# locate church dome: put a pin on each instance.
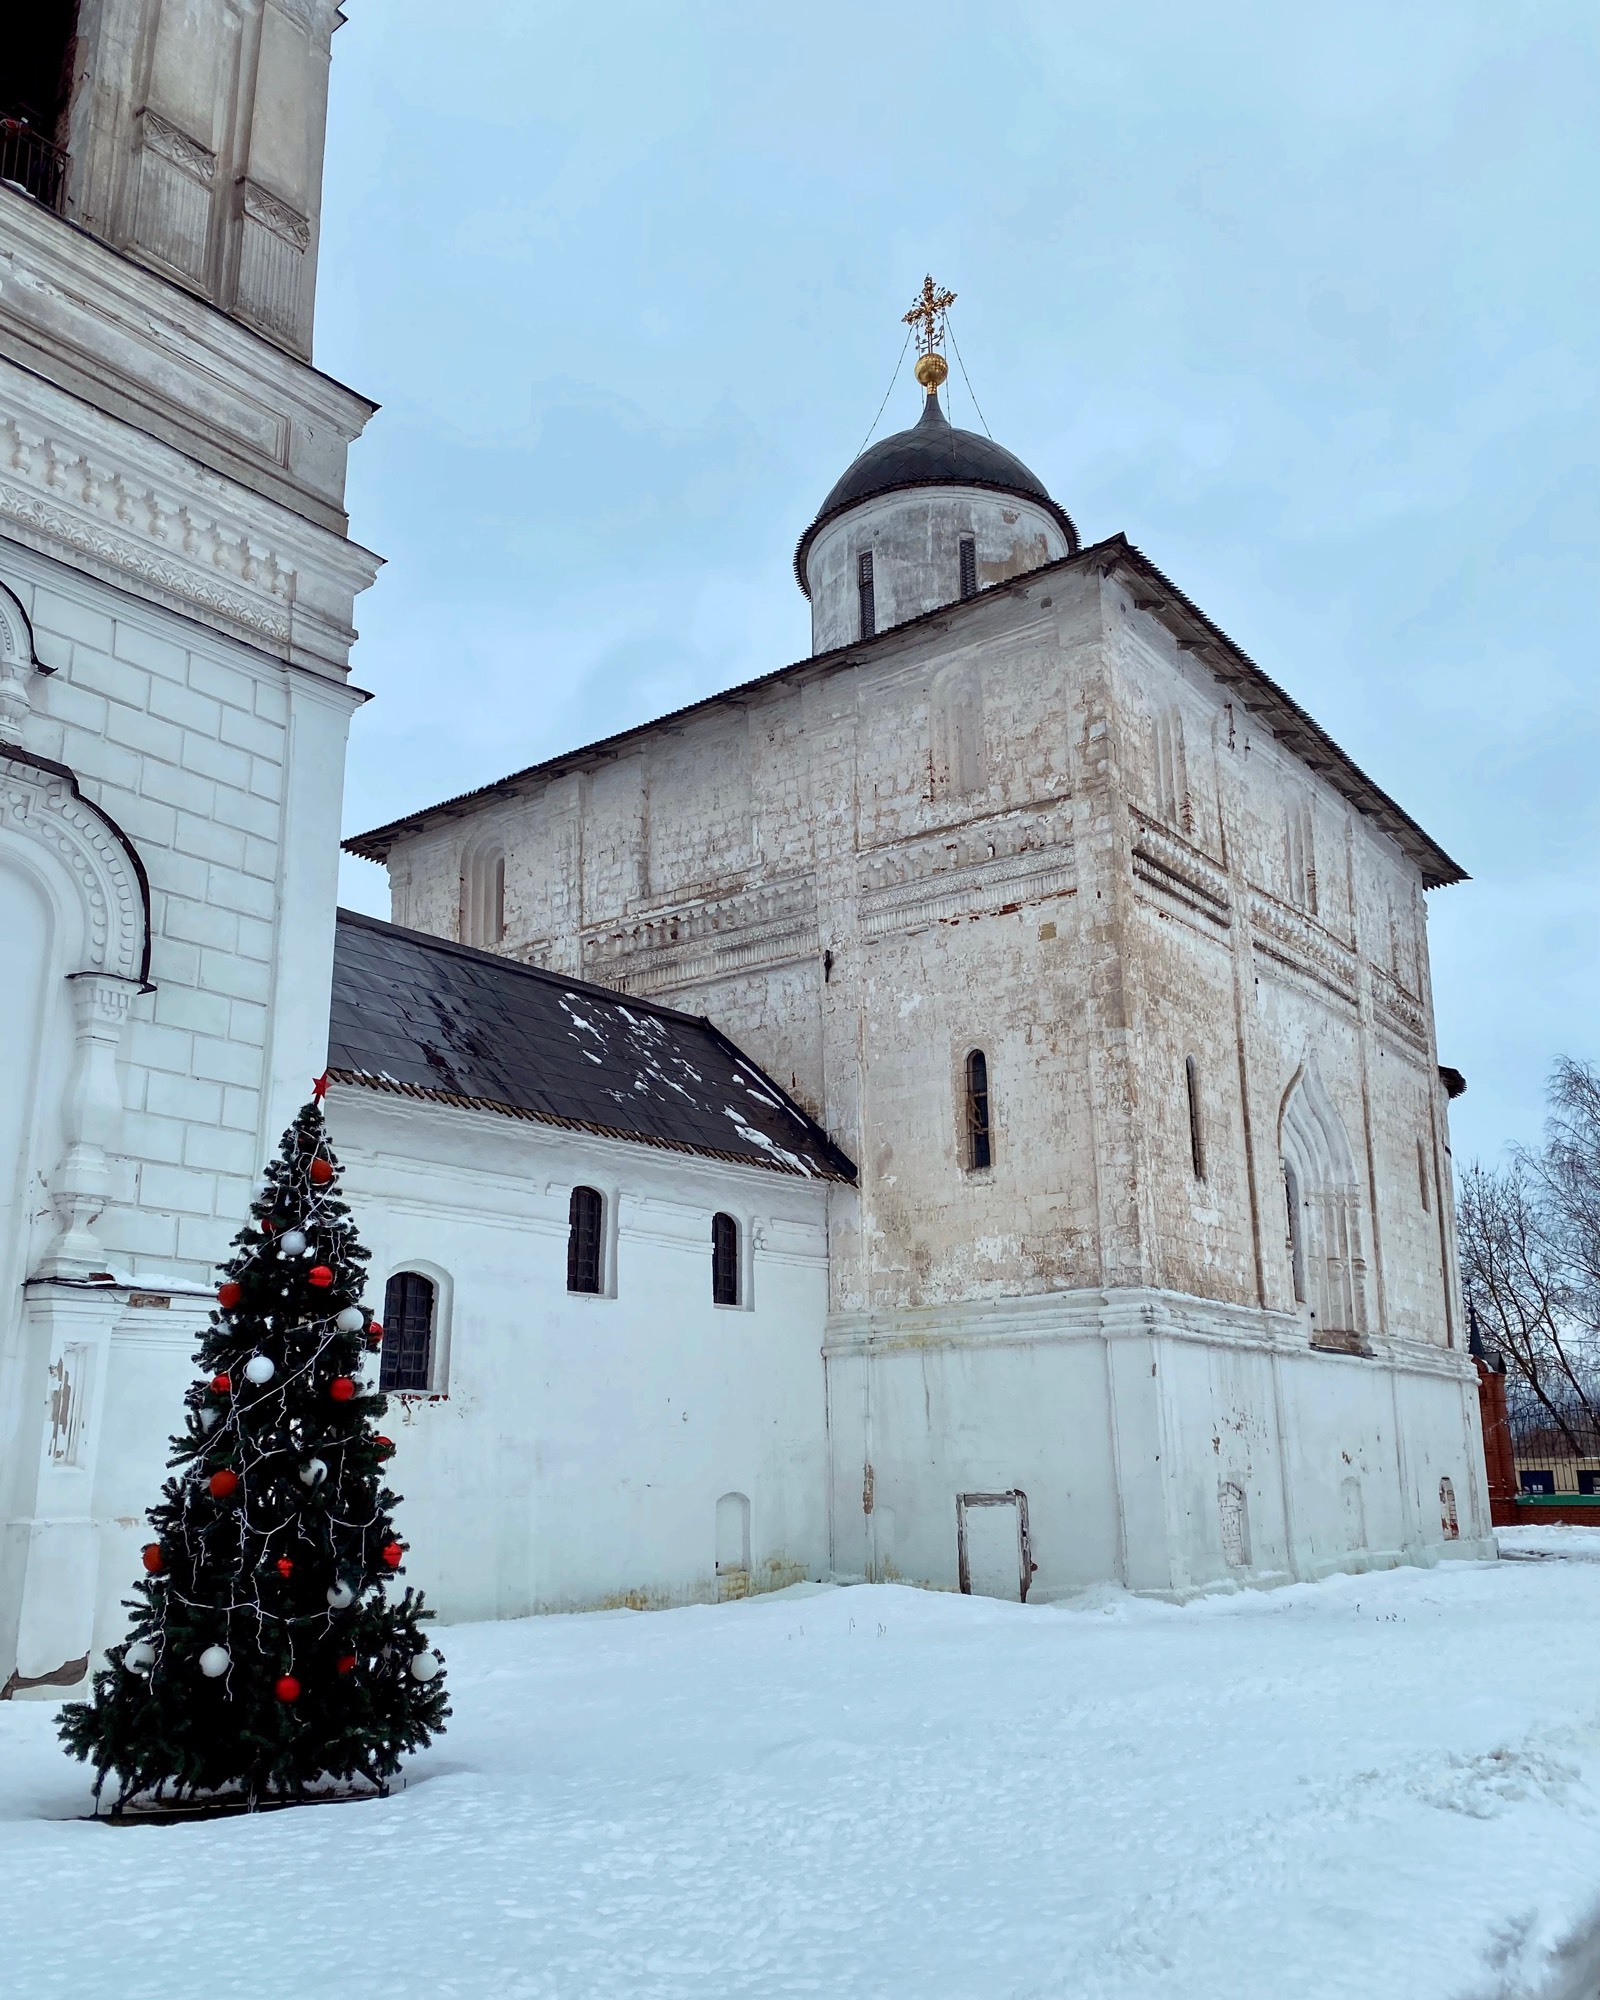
(921, 519)
(932, 453)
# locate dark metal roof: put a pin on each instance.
(1182, 617)
(932, 453)
(423, 1017)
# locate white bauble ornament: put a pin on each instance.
(208, 1420)
(313, 1472)
(425, 1665)
(341, 1596)
(214, 1662)
(351, 1320)
(292, 1242)
(260, 1368)
(140, 1657)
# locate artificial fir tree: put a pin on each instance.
(266, 1651)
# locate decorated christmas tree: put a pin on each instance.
(268, 1647)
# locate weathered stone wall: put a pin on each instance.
(1038, 828)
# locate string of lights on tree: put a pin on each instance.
(266, 1652)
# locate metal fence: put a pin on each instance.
(29, 161)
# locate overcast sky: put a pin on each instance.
(1303, 301)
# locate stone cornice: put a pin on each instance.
(1131, 1313)
(102, 497)
(126, 341)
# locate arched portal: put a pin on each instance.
(1326, 1249)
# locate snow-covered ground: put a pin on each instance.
(1375, 1786)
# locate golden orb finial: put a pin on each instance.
(927, 316)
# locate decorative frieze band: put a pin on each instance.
(172, 549)
(277, 216)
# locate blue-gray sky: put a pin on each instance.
(1303, 301)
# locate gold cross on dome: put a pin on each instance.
(927, 316)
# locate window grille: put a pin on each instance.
(979, 1152)
(864, 591)
(409, 1303)
(969, 566)
(724, 1260)
(585, 1232)
(1197, 1154)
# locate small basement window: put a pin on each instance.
(724, 1260)
(586, 1218)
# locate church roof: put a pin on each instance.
(932, 453)
(1155, 593)
(423, 1017)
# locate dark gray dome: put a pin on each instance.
(932, 453)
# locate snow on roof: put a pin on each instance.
(425, 1017)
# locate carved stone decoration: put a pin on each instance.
(173, 216)
(272, 265)
(41, 801)
(163, 137)
(277, 216)
(164, 542)
(17, 667)
(92, 1119)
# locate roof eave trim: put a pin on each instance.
(390, 1086)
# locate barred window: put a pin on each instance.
(864, 591)
(585, 1234)
(410, 1302)
(724, 1260)
(969, 566)
(979, 1154)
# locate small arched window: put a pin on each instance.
(1197, 1150)
(980, 1153)
(483, 894)
(866, 594)
(724, 1260)
(586, 1217)
(969, 566)
(410, 1305)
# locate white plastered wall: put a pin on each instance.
(576, 1447)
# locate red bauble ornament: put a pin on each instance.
(285, 1567)
(222, 1385)
(346, 1664)
(229, 1294)
(321, 1172)
(341, 1388)
(152, 1558)
(222, 1483)
(320, 1276)
(374, 1335)
(393, 1554)
(287, 1688)
(385, 1445)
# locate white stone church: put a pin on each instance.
(962, 1107)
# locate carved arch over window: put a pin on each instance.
(1323, 1193)
(40, 801)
